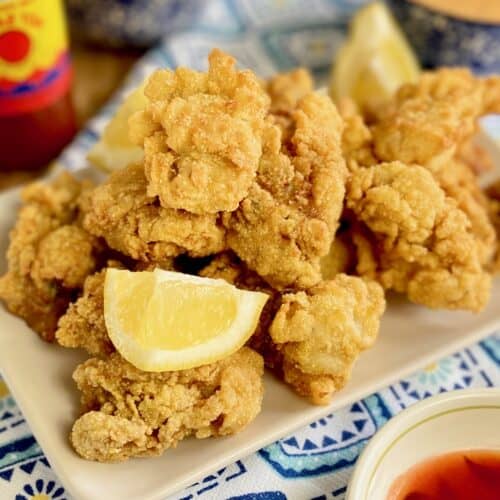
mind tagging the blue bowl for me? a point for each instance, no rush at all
(444, 40)
(129, 23)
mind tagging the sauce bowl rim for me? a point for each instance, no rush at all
(409, 419)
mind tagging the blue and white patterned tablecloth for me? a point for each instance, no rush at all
(316, 461)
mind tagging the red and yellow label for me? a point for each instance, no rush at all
(34, 62)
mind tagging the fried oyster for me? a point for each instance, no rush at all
(50, 254)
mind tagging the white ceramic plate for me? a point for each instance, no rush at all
(454, 421)
(39, 377)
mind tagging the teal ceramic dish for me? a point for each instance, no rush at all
(443, 40)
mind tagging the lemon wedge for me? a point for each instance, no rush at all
(165, 321)
(114, 150)
(375, 60)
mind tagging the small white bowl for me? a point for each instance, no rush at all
(453, 421)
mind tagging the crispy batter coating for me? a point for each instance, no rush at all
(491, 99)
(285, 91)
(202, 135)
(459, 182)
(47, 209)
(357, 139)
(456, 83)
(135, 224)
(430, 123)
(397, 201)
(288, 220)
(49, 254)
(421, 243)
(340, 258)
(321, 332)
(426, 121)
(58, 254)
(493, 193)
(83, 323)
(245, 181)
(310, 338)
(228, 267)
(39, 307)
(129, 412)
(475, 156)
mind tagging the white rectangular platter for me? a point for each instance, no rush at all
(39, 377)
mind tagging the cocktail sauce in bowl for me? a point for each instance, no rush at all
(446, 447)
(458, 475)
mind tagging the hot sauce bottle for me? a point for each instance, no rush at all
(36, 114)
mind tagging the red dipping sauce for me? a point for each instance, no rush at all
(461, 475)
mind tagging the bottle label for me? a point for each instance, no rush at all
(35, 69)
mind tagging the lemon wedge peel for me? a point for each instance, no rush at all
(114, 150)
(109, 160)
(248, 306)
(375, 60)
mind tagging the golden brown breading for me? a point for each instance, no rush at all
(49, 254)
(202, 135)
(459, 182)
(364, 244)
(83, 323)
(321, 332)
(430, 123)
(46, 208)
(65, 255)
(423, 244)
(39, 307)
(397, 201)
(357, 139)
(129, 412)
(228, 267)
(310, 339)
(475, 156)
(340, 258)
(425, 121)
(167, 264)
(288, 220)
(491, 99)
(135, 224)
(493, 193)
(287, 89)
(455, 83)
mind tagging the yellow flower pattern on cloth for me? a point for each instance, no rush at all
(41, 490)
(431, 367)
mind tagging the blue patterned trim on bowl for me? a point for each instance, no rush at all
(130, 23)
(442, 40)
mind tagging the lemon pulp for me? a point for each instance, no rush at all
(114, 150)
(201, 313)
(164, 320)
